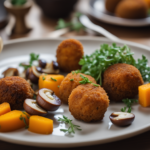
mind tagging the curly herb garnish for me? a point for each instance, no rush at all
(129, 103)
(71, 79)
(53, 79)
(71, 128)
(144, 69)
(96, 63)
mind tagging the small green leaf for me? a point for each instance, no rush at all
(53, 79)
(71, 79)
(18, 2)
(71, 128)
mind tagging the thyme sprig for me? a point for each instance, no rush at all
(129, 103)
(71, 128)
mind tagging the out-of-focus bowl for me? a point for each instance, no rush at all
(56, 8)
(3, 15)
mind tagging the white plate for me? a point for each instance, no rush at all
(92, 133)
(98, 11)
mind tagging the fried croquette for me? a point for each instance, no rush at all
(15, 90)
(88, 103)
(111, 5)
(121, 81)
(69, 53)
(70, 82)
(132, 9)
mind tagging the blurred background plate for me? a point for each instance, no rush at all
(98, 11)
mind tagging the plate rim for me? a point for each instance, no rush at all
(92, 38)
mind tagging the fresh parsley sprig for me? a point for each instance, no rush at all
(86, 80)
(141, 64)
(33, 57)
(74, 24)
(129, 103)
(71, 128)
(96, 63)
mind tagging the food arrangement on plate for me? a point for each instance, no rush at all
(129, 9)
(109, 74)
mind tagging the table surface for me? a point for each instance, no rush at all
(42, 25)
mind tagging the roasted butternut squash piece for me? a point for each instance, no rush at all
(4, 108)
(12, 121)
(51, 82)
(144, 95)
(41, 125)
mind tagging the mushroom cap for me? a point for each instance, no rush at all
(48, 100)
(32, 108)
(122, 118)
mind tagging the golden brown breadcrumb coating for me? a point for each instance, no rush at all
(88, 103)
(121, 81)
(15, 90)
(111, 5)
(67, 86)
(132, 9)
(69, 53)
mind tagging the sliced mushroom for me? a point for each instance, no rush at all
(51, 68)
(34, 75)
(48, 100)
(122, 118)
(27, 73)
(55, 65)
(32, 108)
(11, 72)
(42, 63)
